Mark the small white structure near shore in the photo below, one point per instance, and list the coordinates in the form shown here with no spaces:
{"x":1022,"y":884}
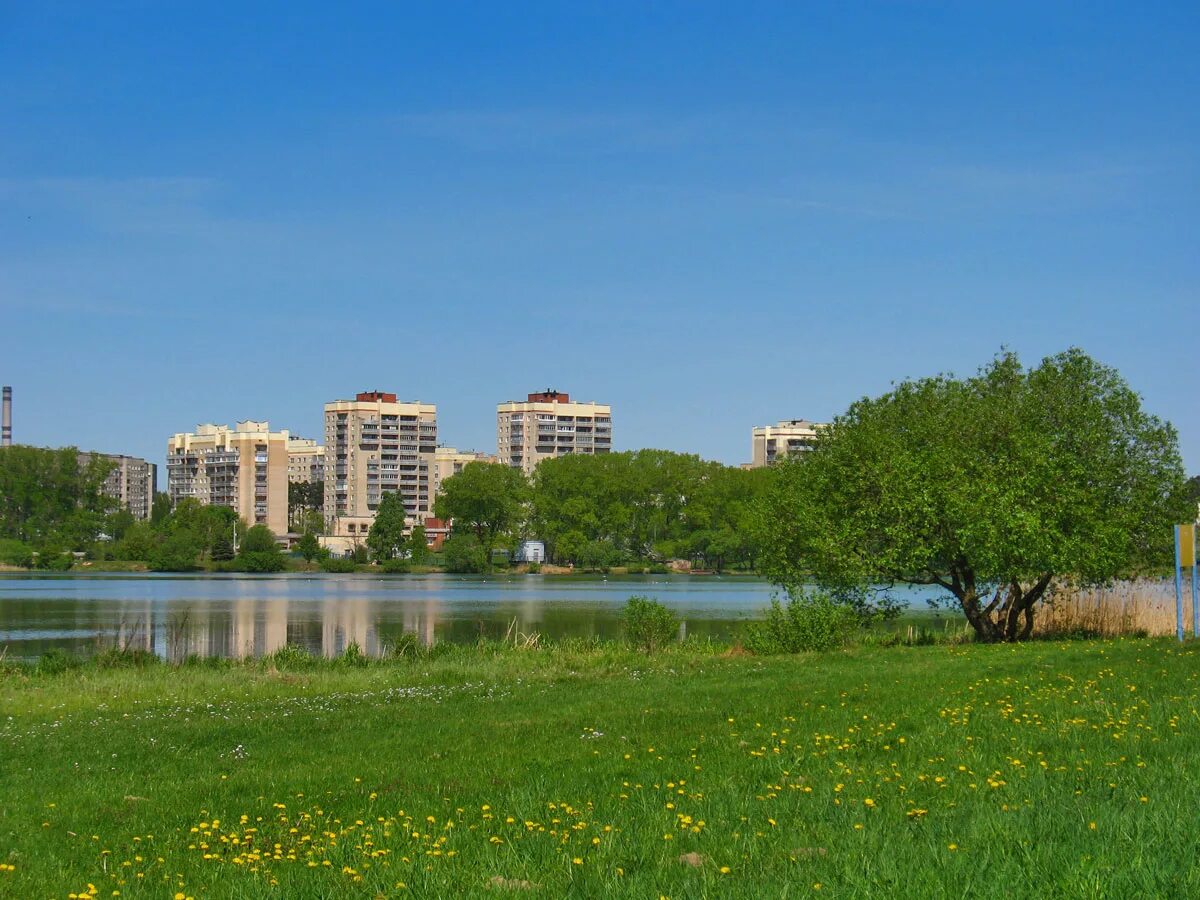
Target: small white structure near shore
{"x":531,"y":552}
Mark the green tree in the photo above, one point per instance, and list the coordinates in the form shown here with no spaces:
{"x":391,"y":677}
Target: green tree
{"x":161,"y":508}
{"x":309,"y":546}
{"x":485,"y":499}
{"x":991,"y":487}
{"x":260,"y":551}
{"x":386,"y":537}
{"x":464,"y":554}
{"x":418,"y":545}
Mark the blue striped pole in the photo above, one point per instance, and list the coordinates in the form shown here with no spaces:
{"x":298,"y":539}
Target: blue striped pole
{"x":1178,"y":588}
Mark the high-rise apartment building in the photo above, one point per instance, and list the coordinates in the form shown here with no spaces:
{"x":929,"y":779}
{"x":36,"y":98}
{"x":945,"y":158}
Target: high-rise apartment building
{"x":244,"y":468}
{"x":131,"y":482}
{"x":306,"y":460}
{"x":549,"y":424}
{"x":770,"y":443}
{"x":375,"y":444}
{"x":448,"y":461}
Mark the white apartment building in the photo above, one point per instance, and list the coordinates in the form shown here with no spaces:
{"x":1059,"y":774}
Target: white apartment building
{"x":549,"y":424}
{"x":770,"y":443}
{"x":306,"y":460}
{"x":375,"y":444}
{"x":244,"y":468}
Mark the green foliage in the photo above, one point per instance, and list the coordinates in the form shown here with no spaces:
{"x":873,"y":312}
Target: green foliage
{"x":647,"y":624}
{"x":53,"y":496}
{"x":160,"y":509}
{"x":15,"y":553}
{"x":394,"y":566}
{"x":485,"y":499}
{"x":55,"y":661}
{"x":260,"y":552}
{"x":137,"y":543}
{"x":418,"y":545}
{"x":809,"y":621}
{"x":222,"y":549}
{"x":991,"y":487}
{"x":259,"y":539}
{"x":598,"y":510}
{"x":464,"y":554}
{"x":360,"y":555}
{"x":338,"y":564}
{"x":534,"y":568}
{"x":386,"y":537}
{"x":309,"y":547}
{"x":304,"y":499}
{"x":260,"y":561}
{"x":53,"y":558}
{"x":177,"y":552}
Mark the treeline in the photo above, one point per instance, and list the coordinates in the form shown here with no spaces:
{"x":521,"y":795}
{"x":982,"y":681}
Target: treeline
{"x":51,"y":506}
{"x":613,"y":509}
{"x":53,"y":510}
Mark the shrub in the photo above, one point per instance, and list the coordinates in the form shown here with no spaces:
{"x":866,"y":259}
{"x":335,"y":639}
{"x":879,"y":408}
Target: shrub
{"x":535,"y":568}
{"x":55,"y":661}
{"x":176,"y":554}
{"x":338,"y":564}
{"x":648,"y":625}
{"x":810,"y":621}
{"x":465,"y":555}
{"x":261,"y":561}
{"x":394,"y":566}
{"x":15,"y":553}
{"x":54,"y":559}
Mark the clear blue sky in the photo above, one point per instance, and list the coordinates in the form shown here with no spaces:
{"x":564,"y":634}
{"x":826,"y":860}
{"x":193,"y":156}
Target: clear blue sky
{"x":709,"y":215}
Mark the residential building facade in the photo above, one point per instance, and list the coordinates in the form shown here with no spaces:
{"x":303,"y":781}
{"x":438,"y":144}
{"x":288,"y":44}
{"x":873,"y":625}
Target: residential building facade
{"x":771,"y":443}
{"x":132,"y":482}
{"x":306,"y":460}
{"x":375,"y":444}
{"x":448,"y":461}
{"x":244,"y":468}
{"x":547,"y":425}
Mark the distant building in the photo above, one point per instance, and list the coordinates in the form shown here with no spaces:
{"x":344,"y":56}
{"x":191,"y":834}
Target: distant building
{"x":448,"y":461}
{"x":375,"y":444}
{"x":770,"y":443}
{"x":549,"y":424}
{"x":436,"y":532}
{"x":132,"y":482}
{"x":306,"y":460}
{"x":244,"y":468}
{"x":531,"y":552}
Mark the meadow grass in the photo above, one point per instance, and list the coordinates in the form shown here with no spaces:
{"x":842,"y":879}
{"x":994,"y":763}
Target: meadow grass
{"x":1046,"y":769}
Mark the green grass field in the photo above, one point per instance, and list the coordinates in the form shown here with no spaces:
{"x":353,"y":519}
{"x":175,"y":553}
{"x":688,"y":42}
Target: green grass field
{"x":1065,"y":770}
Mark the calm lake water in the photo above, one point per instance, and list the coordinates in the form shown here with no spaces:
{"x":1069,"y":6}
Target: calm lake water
{"x":238,"y":615}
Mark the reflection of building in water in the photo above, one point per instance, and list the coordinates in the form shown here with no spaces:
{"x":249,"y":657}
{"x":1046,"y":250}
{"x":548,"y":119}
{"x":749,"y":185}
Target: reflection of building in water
{"x":257,"y":626}
{"x":423,"y":622}
{"x":344,"y":622}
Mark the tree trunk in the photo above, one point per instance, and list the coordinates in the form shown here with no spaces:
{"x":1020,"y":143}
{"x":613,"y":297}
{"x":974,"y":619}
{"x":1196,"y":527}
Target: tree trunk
{"x":1008,"y":616}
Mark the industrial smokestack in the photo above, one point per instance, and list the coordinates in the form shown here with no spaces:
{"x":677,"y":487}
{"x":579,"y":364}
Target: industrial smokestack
{"x":6,"y":419}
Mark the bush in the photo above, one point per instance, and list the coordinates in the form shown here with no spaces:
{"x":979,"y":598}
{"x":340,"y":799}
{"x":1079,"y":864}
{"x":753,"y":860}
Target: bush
{"x":176,"y":554}
{"x":259,"y":539}
{"x":54,"y":560}
{"x":338,"y":564}
{"x":394,"y":566}
{"x":648,"y":625}
{"x":535,"y":568}
{"x":465,"y":555}
{"x":810,"y":621}
{"x":55,"y":661}
{"x":260,"y":561}
{"x":15,"y":553}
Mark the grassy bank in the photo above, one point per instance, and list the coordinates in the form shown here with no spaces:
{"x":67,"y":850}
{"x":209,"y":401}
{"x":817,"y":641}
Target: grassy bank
{"x":1045,"y":769}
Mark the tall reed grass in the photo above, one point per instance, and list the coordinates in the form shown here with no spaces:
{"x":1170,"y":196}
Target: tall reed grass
{"x":1140,"y":608}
